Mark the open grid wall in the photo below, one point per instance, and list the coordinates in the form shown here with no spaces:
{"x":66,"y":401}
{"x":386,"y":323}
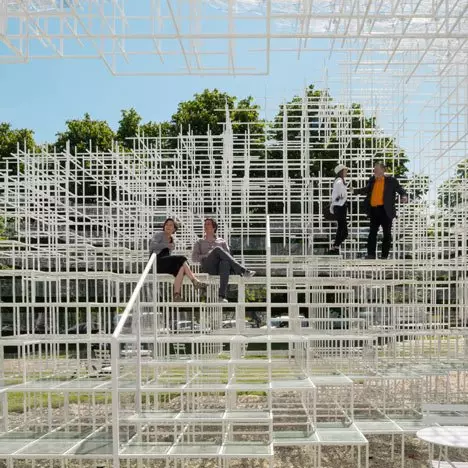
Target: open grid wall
{"x":368,"y":348}
{"x":346,"y":348}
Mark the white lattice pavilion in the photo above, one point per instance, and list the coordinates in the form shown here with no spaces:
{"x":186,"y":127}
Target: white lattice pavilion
{"x":98,"y":368}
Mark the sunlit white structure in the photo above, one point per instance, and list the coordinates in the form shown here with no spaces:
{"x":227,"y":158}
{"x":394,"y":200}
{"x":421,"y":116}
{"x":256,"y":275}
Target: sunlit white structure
{"x":346,"y":347}
{"x":231,"y":36}
{"x":99,"y":367}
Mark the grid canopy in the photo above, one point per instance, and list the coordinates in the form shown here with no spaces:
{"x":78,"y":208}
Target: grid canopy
{"x":234,"y":37}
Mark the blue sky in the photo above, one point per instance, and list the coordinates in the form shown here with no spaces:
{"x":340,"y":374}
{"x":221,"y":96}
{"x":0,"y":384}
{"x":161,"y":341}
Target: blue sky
{"x":43,"y":94}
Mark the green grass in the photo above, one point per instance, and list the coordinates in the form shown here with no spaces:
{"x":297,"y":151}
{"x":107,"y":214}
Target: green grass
{"x":41,"y":399}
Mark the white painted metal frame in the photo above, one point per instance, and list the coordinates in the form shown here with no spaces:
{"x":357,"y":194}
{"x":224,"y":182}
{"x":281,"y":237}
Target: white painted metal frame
{"x":365,"y":347}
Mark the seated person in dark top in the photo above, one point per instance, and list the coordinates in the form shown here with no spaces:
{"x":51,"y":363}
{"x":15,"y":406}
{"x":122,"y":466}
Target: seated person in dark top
{"x":213,"y":254}
{"x":162,"y":244}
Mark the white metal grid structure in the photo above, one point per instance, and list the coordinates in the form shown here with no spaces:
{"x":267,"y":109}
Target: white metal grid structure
{"x":102,"y":368}
{"x":232,"y":37}
{"x":98,"y":367}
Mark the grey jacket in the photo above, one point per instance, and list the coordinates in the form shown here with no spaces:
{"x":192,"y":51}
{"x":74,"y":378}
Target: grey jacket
{"x":203,"y":247}
{"x":159,"y":242}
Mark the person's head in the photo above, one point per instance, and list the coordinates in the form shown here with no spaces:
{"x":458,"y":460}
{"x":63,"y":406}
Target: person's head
{"x":379,"y":169}
{"x":341,"y":171}
{"x":170,"y":226}
{"x":210,"y":226}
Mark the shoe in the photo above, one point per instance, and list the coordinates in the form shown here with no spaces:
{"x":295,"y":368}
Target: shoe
{"x":177,"y":298}
{"x":223,"y":300}
{"x":333,"y":252}
{"x":249,"y":274}
{"x":369,"y":257}
{"x":200,"y":286}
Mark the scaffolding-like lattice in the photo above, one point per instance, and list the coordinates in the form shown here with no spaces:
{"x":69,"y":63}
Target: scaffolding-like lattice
{"x":99,"y":367}
{"x":346,"y":348}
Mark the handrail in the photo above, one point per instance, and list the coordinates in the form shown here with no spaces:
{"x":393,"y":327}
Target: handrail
{"x":268,"y":238}
{"x":115,"y":351}
{"x":134,"y":297}
{"x":268,"y":271}
{"x":268,"y":287}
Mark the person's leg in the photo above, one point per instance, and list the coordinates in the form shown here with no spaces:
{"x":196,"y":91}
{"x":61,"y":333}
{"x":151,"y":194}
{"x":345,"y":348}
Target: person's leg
{"x":211,"y":265}
{"x":345,"y":224}
{"x":222,"y":255}
{"x":188,"y":271}
{"x":195,"y":281}
{"x":338,"y":234}
{"x":221,"y":263}
{"x":386,"y":223}
{"x":341,"y":230}
{"x":178,"y":283}
{"x":373,"y":230}
{"x":224,"y":271}
{"x":345,"y":231}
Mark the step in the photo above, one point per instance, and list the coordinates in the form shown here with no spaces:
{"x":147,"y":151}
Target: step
{"x":199,"y":417}
{"x":289,"y":438}
{"x":446,"y":464}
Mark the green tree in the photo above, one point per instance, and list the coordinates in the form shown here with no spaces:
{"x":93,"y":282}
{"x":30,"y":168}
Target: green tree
{"x":325,"y":132}
{"x":207,"y":110}
{"x":452,"y":192}
{"x":155,"y":129}
{"x":417,"y":186}
{"x":329,"y":129}
{"x":85,"y":134}
{"x":287,"y":126}
{"x":13,"y":138}
{"x":246,"y":116}
{"x":129,"y":125}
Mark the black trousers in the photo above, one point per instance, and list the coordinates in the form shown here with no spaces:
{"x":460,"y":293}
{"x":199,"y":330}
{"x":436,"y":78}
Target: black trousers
{"x":340,"y":213}
{"x":378,"y":217}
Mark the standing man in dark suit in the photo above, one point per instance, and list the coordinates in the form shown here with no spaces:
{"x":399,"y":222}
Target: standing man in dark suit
{"x":380,"y":192}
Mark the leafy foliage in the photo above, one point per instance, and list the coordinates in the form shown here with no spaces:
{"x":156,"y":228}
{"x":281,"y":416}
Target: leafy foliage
{"x":327,"y":146}
{"x":84,"y":134}
{"x":128,"y":127}
{"x":13,"y":138}
{"x":207,"y":111}
{"x":453,"y":191}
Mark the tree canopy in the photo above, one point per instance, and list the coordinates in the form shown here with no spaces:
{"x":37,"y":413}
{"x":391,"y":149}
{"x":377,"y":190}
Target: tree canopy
{"x":13,"y":138}
{"x":206,"y":111}
{"x":364,"y":139}
{"x":129,"y":126}
{"x":84,"y":134}
{"x":453,"y":190}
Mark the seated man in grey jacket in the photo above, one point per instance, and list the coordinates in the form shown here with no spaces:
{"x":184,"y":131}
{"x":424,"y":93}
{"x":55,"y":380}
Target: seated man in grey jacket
{"x":212,"y":253}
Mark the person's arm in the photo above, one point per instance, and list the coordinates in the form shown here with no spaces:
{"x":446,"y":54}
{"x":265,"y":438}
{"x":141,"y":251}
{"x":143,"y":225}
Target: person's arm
{"x":334,"y":194}
{"x":157,"y":242}
{"x":196,"y":252}
{"x":401,"y":191}
{"x":224,"y":245}
{"x":171,"y":243}
{"x":361,"y":191}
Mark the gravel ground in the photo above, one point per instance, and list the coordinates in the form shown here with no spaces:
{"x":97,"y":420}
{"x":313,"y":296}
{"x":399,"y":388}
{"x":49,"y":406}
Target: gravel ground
{"x":416,"y":453}
{"x":285,"y":457}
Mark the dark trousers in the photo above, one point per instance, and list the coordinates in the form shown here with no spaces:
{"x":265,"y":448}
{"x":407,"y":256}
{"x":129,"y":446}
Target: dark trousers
{"x":219,"y":262}
{"x":340,"y":213}
{"x":378,"y":217}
